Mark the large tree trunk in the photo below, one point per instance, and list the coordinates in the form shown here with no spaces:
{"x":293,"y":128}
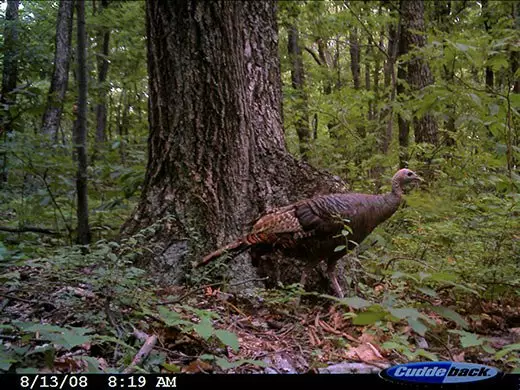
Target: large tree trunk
{"x":80,"y":136}
{"x":298,"y":83}
{"x":9,"y":76}
{"x":60,"y":76}
{"x":103,"y":41}
{"x":216,"y":152}
{"x":417,"y":74}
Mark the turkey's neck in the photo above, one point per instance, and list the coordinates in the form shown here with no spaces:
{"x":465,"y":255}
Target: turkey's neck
{"x":397,"y":190}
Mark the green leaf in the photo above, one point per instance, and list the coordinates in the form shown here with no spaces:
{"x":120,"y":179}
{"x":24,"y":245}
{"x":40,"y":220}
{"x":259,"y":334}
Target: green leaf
{"x":427,"y":291}
{"x":468,"y":339}
{"x":368,"y":317}
{"x":451,"y":315}
{"x":92,"y":364}
{"x":207,"y":357}
{"x":461,"y":46}
{"x":426,"y":354}
{"x":355,"y":302}
{"x":41,"y":349}
{"x":403,"y":313}
{"x":226,"y":364}
{"x":171,"y":367}
{"x":27,"y":370}
{"x":70,"y":339}
{"x":417,"y":326}
{"x":204,"y":328}
{"x":171,"y":318}
{"x":339,"y":248}
{"x":443,"y":277}
{"x":228,"y":338}
{"x":506,"y":350}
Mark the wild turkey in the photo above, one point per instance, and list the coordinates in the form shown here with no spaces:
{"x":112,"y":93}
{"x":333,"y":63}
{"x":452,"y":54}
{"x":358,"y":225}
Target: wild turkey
{"x":310,"y":229}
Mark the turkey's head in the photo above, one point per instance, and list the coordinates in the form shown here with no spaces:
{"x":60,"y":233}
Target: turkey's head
{"x":405,"y":176}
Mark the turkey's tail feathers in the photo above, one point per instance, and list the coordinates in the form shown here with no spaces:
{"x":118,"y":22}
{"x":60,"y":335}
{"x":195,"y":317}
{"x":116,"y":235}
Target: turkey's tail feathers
{"x":234,"y":248}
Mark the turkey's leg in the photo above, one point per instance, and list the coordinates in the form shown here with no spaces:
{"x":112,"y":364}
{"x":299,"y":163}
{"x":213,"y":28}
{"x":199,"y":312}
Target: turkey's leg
{"x":331,"y":271}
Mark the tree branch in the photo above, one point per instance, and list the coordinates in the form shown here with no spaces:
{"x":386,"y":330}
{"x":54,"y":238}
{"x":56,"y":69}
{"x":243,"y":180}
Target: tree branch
{"x":314,"y":55}
{"x":24,"y":229}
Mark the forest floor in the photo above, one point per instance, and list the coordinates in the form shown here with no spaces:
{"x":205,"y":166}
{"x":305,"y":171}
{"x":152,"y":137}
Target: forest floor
{"x":64,"y":315}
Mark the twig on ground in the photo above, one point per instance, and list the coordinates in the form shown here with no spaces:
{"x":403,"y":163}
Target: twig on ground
{"x":142,"y":354}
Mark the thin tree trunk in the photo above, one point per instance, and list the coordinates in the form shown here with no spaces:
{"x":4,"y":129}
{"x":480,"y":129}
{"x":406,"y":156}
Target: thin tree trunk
{"x":368,"y":86}
{"x":80,"y":136}
{"x":487,"y":25}
{"x":103,"y":40}
{"x":386,"y":117}
{"x":355,"y":59}
{"x":442,"y":12}
{"x":60,"y":76}
{"x":120,"y":126}
{"x":216,"y":150}
{"x":402,"y":75}
{"x":515,"y":63}
{"x":298,"y":83}
{"x":9,"y":77}
{"x":355,"y":67}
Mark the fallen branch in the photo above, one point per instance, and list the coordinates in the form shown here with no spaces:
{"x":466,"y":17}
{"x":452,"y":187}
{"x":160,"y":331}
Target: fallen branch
{"x":25,"y":229}
{"x":142,"y":354}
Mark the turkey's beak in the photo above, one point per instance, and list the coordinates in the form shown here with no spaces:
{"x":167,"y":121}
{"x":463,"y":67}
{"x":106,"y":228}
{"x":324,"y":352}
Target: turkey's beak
{"x":419,"y":179}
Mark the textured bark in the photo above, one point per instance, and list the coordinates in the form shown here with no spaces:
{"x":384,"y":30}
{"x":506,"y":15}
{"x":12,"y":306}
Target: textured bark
{"x":217,"y":157}
{"x":80,"y":136}
{"x":298,"y":83}
{"x":103,"y":42}
{"x":60,"y":76}
{"x":9,"y":75}
{"x":418,"y":73}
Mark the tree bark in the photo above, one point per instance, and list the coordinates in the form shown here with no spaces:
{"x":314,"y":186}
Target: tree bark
{"x":60,"y":76}
{"x":9,"y":76}
{"x":80,"y":136}
{"x":418,"y":73}
{"x":298,"y":83}
{"x":103,"y":40}
{"x":216,"y":152}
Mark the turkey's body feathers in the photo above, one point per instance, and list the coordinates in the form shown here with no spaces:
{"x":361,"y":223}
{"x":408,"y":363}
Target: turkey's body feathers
{"x":310,"y":229}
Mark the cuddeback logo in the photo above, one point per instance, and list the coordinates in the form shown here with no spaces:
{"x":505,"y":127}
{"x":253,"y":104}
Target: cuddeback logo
{"x":439,"y":372}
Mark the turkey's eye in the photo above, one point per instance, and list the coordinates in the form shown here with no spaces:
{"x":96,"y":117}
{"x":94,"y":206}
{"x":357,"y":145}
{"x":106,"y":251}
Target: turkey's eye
{"x":409,"y":174}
